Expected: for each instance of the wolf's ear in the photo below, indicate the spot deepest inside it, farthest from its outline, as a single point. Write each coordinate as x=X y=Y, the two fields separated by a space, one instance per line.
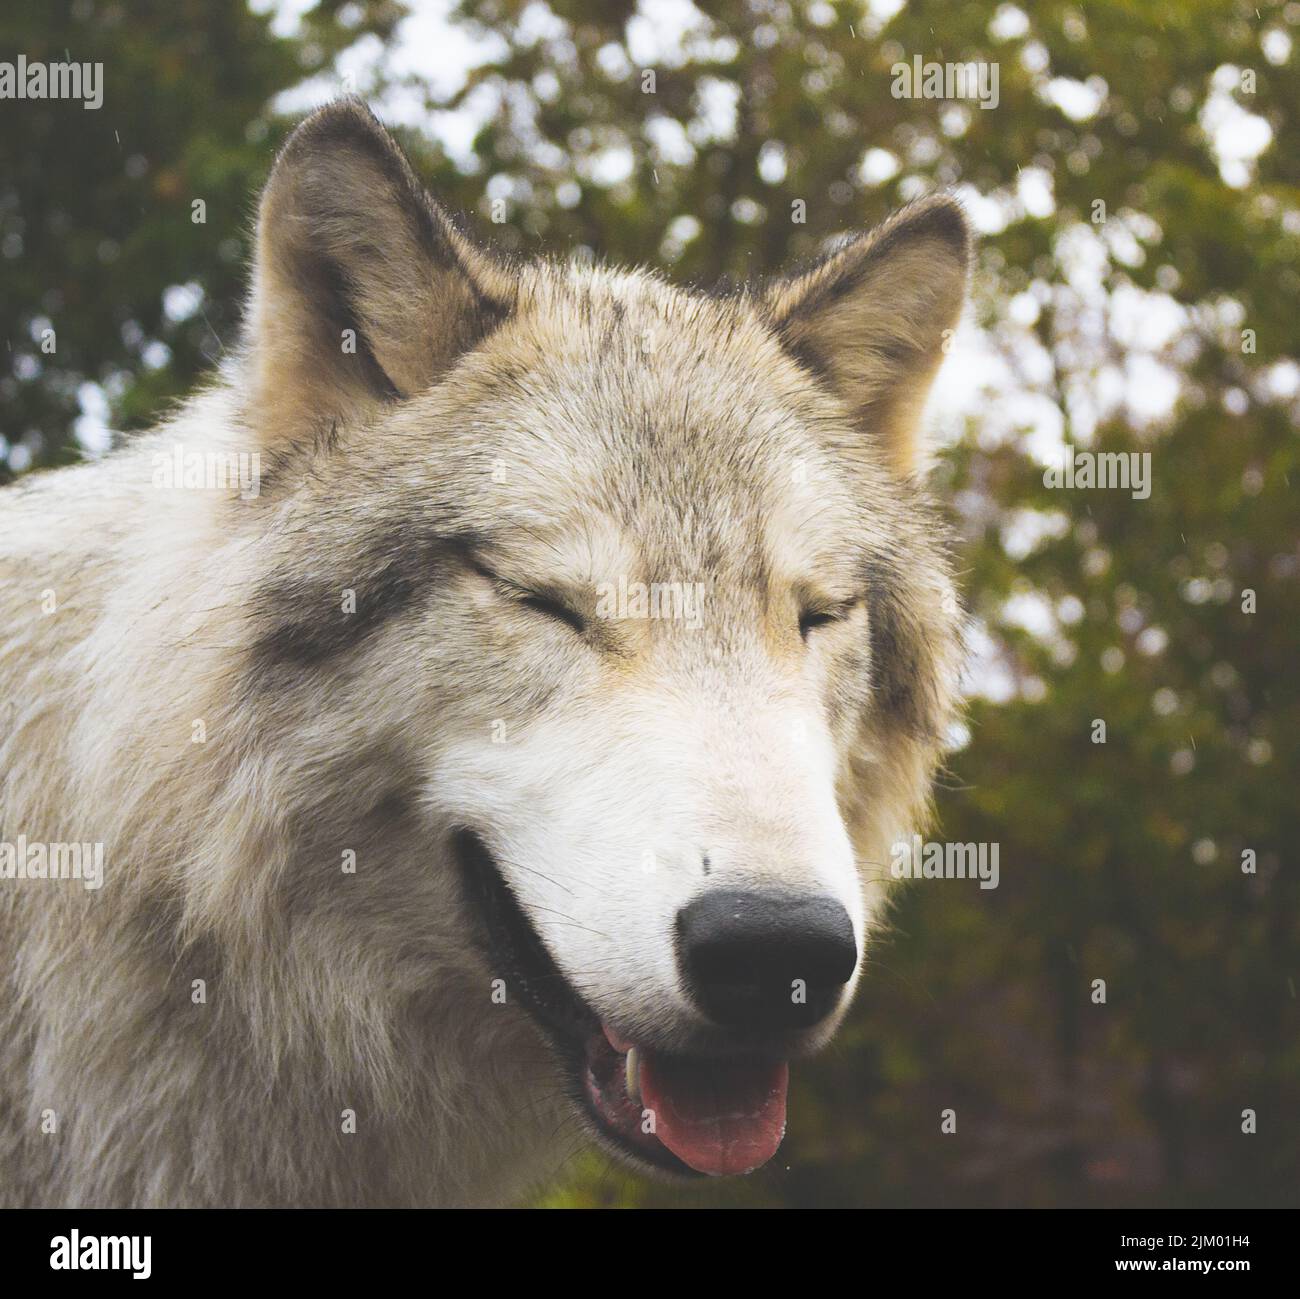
x=363 y=290
x=873 y=316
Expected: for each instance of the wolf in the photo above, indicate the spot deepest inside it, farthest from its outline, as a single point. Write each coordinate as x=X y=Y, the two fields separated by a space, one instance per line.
x=420 y=874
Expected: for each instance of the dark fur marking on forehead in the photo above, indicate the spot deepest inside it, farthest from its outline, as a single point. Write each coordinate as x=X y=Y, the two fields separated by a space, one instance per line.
x=303 y=619
x=617 y=313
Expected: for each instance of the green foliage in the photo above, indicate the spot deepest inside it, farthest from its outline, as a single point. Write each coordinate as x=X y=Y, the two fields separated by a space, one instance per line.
x=96 y=206
x=1119 y=861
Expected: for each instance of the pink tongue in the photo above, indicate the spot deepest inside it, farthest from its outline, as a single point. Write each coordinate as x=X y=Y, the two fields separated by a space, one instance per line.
x=720 y=1117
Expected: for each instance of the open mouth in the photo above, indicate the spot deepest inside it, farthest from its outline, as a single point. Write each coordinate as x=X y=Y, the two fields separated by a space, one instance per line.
x=671 y=1113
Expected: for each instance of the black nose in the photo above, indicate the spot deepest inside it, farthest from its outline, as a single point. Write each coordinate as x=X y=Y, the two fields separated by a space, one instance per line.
x=766 y=960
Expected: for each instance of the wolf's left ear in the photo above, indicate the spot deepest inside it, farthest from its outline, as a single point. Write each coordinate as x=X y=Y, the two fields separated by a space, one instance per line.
x=873 y=318
x=363 y=289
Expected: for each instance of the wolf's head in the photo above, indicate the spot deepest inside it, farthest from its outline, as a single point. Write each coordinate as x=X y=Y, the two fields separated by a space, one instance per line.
x=626 y=601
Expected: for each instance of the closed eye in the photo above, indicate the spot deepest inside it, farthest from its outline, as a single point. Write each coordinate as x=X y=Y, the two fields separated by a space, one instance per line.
x=546 y=605
x=820 y=617
x=817 y=618
x=553 y=609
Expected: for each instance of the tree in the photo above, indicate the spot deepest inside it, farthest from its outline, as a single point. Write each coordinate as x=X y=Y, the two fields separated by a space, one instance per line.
x=102 y=211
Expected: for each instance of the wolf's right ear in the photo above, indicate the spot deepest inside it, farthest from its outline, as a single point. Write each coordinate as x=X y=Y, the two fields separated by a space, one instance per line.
x=873 y=317
x=363 y=290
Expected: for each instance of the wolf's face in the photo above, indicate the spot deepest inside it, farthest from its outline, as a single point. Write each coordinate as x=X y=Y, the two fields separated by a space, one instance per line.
x=666 y=608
